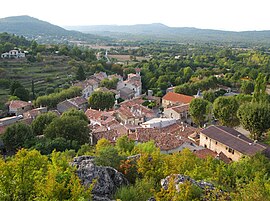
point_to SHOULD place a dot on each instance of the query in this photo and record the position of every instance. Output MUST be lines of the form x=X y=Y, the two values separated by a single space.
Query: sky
x=231 y=15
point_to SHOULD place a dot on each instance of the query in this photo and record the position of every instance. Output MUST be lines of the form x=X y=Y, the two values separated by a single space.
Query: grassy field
x=124 y=58
x=53 y=71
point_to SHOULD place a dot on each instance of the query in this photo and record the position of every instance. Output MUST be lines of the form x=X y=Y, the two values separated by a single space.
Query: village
x=168 y=123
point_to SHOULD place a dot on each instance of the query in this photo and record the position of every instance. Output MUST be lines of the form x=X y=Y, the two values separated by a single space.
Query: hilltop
x=42 y=31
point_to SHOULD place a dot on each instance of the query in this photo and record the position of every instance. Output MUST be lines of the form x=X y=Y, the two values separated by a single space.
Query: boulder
x=180 y=179
x=107 y=179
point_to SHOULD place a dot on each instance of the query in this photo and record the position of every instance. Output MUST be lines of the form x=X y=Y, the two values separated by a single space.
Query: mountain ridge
x=36 y=29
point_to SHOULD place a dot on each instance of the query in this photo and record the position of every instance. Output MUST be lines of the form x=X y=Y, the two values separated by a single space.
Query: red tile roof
x=166 y=138
x=15 y=104
x=103 y=117
x=180 y=108
x=178 y=98
x=205 y=153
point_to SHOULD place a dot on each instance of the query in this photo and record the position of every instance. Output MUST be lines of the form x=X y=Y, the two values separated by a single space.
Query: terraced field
x=53 y=72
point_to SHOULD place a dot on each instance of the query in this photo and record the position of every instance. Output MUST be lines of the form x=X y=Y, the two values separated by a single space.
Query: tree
x=259 y=94
x=247 y=87
x=80 y=75
x=17 y=135
x=76 y=113
x=69 y=127
x=31 y=176
x=199 y=110
x=21 y=93
x=209 y=96
x=124 y=144
x=102 y=143
x=14 y=85
x=225 y=110
x=42 y=121
x=255 y=117
x=109 y=84
x=108 y=156
x=101 y=100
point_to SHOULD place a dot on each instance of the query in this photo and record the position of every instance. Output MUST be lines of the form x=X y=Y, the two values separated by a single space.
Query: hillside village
x=168 y=124
x=134 y=121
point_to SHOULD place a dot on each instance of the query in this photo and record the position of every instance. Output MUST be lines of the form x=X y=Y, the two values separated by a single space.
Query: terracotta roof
x=14 y=104
x=166 y=138
x=103 y=117
x=180 y=108
x=205 y=153
x=78 y=100
x=132 y=102
x=233 y=139
x=34 y=112
x=175 y=97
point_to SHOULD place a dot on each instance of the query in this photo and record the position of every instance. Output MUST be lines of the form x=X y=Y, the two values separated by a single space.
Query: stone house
x=230 y=142
x=18 y=107
x=180 y=112
x=78 y=103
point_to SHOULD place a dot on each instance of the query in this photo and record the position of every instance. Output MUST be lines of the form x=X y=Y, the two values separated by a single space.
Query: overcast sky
x=234 y=15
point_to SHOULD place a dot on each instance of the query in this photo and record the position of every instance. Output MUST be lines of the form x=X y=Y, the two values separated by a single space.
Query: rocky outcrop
x=107 y=179
x=180 y=179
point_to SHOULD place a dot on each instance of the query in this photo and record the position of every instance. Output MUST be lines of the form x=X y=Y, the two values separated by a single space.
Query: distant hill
x=159 y=31
x=33 y=28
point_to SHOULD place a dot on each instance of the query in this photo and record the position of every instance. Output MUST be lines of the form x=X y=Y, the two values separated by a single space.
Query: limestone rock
x=107 y=179
x=180 y=179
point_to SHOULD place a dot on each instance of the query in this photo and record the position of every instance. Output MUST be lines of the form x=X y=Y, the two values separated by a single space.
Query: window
x=206 y=138
x=205 y=146
x=216 y=142
x=231 y=151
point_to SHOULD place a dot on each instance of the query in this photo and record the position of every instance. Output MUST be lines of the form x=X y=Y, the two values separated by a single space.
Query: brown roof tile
x=233 y=139
x=15 y=104
x=179 y=98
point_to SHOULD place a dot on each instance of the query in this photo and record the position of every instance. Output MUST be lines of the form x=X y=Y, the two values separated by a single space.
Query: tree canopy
x=101 y=100
x=255 y=117
x=225 y=110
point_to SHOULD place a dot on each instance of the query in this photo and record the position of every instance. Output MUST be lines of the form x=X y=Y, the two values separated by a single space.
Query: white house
x=158 y=123
x=133 y=82
x=13 y=54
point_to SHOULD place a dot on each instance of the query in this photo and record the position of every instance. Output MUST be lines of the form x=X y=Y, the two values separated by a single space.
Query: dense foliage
x=100 y=100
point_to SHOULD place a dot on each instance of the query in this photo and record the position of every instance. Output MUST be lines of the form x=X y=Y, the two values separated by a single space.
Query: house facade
x=133 y=83
x=230 y=142
x=180 y=112
x=13 y=54
x=18 y=107
x=78 y=103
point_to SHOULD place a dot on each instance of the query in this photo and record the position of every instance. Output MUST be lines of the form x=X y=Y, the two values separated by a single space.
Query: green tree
x=199 y=110
x=209 y=96
x=14 y=85
x=17 y=135
x=76 y=113
x=101 y=100
x=21 y=93
x=42 y=121
x=225 y=110
x=247 y=87
x=124 y=144
x=69 y=127
x=259 y=94
x=255 y=117
x=108 y=156
x=80 y=75
x=109 y=84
